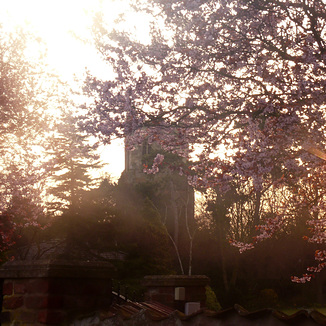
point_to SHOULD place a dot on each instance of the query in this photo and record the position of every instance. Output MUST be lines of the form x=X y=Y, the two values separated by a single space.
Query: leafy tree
x=6 y=234
x=240 y=82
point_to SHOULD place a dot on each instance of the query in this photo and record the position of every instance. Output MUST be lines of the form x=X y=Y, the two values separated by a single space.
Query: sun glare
x=64 y=26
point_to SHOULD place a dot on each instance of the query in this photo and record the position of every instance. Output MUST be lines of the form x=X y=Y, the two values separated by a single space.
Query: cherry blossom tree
x=236 y=85
x=26 y=95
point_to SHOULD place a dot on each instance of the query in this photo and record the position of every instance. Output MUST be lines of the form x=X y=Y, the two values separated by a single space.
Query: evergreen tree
x=74 y=158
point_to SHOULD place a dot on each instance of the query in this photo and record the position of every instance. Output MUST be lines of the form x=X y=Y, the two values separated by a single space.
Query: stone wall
x=53 y=292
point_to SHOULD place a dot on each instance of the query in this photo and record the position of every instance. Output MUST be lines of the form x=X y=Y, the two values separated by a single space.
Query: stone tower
x=173 y=196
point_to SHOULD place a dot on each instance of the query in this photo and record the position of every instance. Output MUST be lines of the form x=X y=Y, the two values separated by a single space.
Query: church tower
x=171 y=193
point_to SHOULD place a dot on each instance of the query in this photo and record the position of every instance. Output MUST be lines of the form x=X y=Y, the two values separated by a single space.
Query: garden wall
x=53 y=292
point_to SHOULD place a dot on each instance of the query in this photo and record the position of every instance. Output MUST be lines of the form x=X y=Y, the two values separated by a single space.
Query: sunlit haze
x=65 y=27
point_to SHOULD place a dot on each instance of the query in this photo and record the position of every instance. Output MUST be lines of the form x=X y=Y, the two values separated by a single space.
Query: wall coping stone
x=175 y=280
x=56 y=269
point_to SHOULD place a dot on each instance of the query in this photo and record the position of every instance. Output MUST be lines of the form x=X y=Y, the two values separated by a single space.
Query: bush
x=211 y=300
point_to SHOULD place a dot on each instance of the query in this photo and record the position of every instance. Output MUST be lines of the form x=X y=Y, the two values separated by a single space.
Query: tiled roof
x=154 y=310
x=147 y=314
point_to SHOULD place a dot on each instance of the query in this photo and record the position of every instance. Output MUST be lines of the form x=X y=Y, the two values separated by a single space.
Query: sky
x=65 y=27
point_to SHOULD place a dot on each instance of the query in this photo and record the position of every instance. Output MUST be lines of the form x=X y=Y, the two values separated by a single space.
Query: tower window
x=147 y=148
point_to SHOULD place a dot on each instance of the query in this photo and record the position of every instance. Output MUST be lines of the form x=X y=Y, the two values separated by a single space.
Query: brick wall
x=53 y=293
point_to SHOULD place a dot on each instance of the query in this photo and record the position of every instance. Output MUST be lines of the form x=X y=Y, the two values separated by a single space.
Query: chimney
x=181 y=292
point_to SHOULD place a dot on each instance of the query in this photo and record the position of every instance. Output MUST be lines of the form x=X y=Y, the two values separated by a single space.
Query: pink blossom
x=238 y=88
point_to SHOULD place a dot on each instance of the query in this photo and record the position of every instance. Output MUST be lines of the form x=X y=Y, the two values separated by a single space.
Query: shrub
x=211 y=300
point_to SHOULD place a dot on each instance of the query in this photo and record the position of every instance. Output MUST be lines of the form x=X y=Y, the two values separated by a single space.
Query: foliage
x=6 y=233
x=113 y=223
x=141 y=233
x=74 y=157
x=26 y=95
x=88 y=231
x=211 y=300
x=239 y=85
x=168 y=195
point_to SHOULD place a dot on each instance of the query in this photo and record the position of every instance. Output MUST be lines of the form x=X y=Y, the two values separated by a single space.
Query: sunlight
x=65 y=28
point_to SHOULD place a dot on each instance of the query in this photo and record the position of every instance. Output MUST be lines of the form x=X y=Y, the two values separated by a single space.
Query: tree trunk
x=256 y=217
x=175 y=215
